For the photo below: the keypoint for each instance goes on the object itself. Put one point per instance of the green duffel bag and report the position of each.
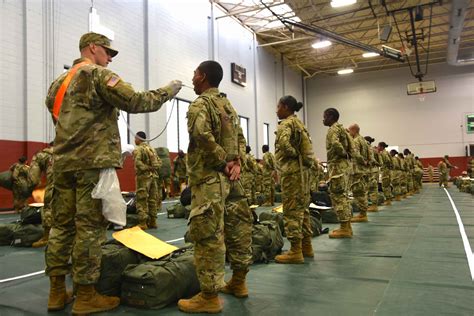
(164, 154)
(316, 222)
(156, 284)
(273, 216)
(176, 210)
(6, 180)
(115, 258)
(277, 197)
(267, 241)
(6, 233)
(26, 235)
(381, 198)
(329, 217)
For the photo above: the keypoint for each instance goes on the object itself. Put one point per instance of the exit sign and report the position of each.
(470, 123)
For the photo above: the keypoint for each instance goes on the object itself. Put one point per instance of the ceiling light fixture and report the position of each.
(342, 3)
(345, 71)
(369, 55)
(321, 44)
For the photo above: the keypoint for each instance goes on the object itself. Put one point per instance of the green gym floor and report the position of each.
(409, 259)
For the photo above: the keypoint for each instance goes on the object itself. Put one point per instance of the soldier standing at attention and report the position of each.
(403, 175)
(294, 157)
(41, 163)
(179, 170)
(418, 175)
(385, 168)
(147, 165)
(269, 167)
(444, 167)
(360, 173)
(249, 175)
(84, 103)
(395, 176)
(339, 149)
(220, 217)
(20, 172)
(373, 176)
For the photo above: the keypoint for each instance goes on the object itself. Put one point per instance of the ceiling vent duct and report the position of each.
(456, 22)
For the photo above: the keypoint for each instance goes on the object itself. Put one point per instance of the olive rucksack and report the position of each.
(6, 233)
(267, 241)
(26, 235)
(329, 217)
(273, 216)
(115, 258)
(31, 215)
(164, 155)
(6, 180)
(176, 211)
(156, 284)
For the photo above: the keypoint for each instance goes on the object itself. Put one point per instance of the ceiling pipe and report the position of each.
(456, 22)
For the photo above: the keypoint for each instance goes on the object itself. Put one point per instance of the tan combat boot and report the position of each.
(58, 296)
(44, 240)
(362, 217)
(398, 198)
(294, 255)
(373, 208)
(236, 285)
(344, 232)
(201, 303)
(307, 247)
(152, 223)
(387, 202)
(89, 301)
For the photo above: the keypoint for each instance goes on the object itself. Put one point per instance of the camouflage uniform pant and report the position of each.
(269, 188)
(220, 216)
(338, 186)
(46, 216)
(403, 182)
(78, 227)
(359, 190)
(443, 179)
(373, 187)
(249, 183)
(387, 191)
(410, 184)
(395, 178)
(295, 198)
(147, 193)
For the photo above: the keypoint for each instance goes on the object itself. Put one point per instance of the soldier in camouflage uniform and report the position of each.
(385, 168)
(220, 218)
(470, 167)
(20, 181)
(339, 147)
(360, 172)
(373, 176)
(395, 176)
(147, 165)
(410, 162)
(87, 141)
(316, 175)
(259, 179)
(269, 169)
(249, 176)
(42, 163)
(444, 166)
(418, 175)
(179, 170)
(294, 157)
(403, 175)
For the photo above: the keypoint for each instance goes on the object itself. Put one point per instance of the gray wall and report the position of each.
(379, 104)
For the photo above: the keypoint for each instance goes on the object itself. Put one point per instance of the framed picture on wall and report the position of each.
(238, 74)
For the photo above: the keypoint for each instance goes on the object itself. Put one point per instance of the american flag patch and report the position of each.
(113, 81)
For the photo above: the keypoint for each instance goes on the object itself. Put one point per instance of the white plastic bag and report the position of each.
(107, 189)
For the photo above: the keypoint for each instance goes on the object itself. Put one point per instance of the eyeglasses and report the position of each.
(108, 51)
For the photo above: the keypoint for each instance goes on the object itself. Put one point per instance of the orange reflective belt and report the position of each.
(58, 99)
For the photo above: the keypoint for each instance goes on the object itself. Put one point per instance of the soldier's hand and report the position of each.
(175, 86)
(234, 170)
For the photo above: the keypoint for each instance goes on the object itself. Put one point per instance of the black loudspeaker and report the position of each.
(385, 34)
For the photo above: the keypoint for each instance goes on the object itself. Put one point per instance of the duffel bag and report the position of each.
(26, 235)
(267, 241)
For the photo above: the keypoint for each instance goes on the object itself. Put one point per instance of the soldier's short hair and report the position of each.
(265, 148)
(248, 149)
(141, 135)
(213, 71)
(22, 159)
(332, 112)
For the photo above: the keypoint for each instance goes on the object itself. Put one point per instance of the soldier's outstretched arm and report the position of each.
(122, 95)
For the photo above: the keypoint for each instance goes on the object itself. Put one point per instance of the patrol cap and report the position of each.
(98, 39)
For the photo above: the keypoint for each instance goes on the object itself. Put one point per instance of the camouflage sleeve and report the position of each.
(122, 95)
(200, 133)
(139, 157)
(284, 143)
(35, 169)
(356, 155)
(242, 145)
(336, 148)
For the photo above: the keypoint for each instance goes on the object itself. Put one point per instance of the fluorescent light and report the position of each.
(341, 3)
(345, 71)
(371, 54)
(321, 44)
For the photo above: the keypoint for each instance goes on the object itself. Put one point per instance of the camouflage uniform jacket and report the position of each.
(41, 163)
(386, 160)
(179, 167)
(443, 167)
(269, 163)
(396, 163)
(403, 164)
(292, 146)
(147, 162)
(362, 156)
(250, 165)
(87, 135)
(375, 160)
(215, 136)
(339, 144)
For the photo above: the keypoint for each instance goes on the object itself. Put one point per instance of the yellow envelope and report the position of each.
(136, 239)
(278, 209)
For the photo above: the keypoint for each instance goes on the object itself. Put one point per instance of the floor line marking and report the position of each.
(465, 241)
(42, 271)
